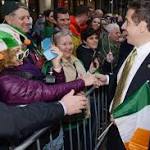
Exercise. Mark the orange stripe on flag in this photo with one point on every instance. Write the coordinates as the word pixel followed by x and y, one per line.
pixel 140 140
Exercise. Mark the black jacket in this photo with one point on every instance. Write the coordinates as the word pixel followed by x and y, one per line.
pixel 19 122
pixel 87 56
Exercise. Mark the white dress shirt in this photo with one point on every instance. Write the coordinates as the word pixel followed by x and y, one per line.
pixel 142 53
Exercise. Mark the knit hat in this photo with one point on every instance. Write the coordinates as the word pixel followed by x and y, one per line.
pixel 11 6
pixel 10 37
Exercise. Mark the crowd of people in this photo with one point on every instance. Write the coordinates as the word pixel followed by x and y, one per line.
pixel 92 49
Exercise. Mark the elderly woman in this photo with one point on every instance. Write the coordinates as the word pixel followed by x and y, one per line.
pixel 72 66
pixel 15 88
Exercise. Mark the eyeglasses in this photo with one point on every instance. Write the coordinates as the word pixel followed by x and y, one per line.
pixel 22 54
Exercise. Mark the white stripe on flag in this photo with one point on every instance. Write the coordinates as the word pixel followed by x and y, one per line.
pixel 128 124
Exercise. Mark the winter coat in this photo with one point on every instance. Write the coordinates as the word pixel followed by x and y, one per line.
pixel 18 90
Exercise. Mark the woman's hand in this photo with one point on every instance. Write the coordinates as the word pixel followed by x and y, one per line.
pixel 94 66
pixel 110 57
pixel 57 61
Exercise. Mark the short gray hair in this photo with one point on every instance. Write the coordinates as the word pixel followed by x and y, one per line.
pixel 111 27
pixel 60 34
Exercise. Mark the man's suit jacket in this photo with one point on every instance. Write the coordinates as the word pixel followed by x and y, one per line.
pixel 19 122
pixel 141 76
pixel 114 141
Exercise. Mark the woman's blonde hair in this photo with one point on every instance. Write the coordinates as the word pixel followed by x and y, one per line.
pixel 8 56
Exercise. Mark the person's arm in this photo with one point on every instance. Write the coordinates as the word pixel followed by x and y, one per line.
pixel 109 80
pixel 17 90
pixel 19 122
pixel 59 76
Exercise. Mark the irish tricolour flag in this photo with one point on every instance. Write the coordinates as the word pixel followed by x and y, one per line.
pixel 132 118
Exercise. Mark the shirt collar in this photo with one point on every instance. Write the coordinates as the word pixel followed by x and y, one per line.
pixel 143 49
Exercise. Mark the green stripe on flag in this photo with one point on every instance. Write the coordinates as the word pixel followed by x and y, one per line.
pixel 134 103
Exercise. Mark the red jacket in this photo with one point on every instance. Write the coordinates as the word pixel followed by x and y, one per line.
pixel 75 28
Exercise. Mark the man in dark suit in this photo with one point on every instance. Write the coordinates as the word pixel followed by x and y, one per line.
pixel 19 122
pixel 137 26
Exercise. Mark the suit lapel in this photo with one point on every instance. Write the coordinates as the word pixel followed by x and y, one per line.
pixel 141 76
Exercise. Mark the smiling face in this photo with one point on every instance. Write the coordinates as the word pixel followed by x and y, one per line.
pixel 20 19
pixel 92 41
pixel 64 43
pixel 12 57
pixel 96 23
pixel 16 54
pixel 63 21
pixel 131 28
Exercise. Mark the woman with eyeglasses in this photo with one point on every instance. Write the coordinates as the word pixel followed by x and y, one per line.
pixel 19 122
pixel 16 88
pixel 72 66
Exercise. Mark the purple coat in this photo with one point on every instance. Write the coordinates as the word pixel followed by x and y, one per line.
pixel 17 90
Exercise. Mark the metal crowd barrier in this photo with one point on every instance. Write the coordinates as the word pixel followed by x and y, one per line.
pixel 88 131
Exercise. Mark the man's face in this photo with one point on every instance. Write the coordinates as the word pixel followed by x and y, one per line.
pixel 132 30
pixel 20 19
pixel 63 21
pixel 114 35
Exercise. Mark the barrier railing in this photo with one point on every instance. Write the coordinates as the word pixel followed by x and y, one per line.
pixel 83 134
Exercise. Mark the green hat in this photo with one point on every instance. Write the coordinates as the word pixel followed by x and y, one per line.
pixel 10 37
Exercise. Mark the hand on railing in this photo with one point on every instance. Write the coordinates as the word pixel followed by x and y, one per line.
pixel 74 104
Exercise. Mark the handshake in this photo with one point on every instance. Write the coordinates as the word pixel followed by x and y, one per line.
pixel 74 104
pixel 94 79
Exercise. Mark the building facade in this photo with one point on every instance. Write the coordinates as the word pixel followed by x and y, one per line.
pixel 108 6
